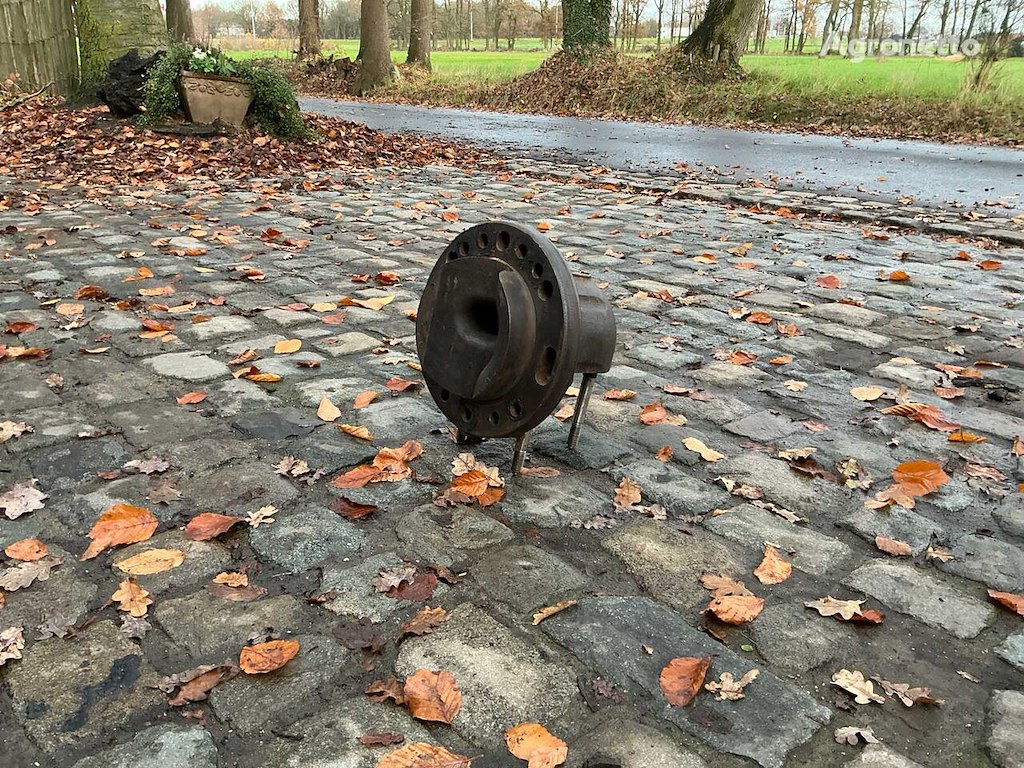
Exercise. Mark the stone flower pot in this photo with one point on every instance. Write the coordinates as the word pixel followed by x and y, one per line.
pixel 212 98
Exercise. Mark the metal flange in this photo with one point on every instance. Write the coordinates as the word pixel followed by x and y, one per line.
pixel 503 326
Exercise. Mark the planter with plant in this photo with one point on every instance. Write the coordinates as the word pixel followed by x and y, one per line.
pixel 209 87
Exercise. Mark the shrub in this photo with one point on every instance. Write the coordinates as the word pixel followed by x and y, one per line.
pixel 273 107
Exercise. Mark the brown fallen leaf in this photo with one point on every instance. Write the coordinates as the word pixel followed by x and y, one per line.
pixel 854 683
pixel 363 399
pixel 209 525
pixel 654 413
pixel 132 598
pixel 121 524
pixel 232 579
pixel 22 574
pixel 774 568
pixel 422 755
pixel 26 550
pixel 893 547
pixel 627 494
pixel 241 594
pixel 266 657
pixel 929 415
pixel 382 690
pixel 376 304
pixel 11 429
pixel 423 623
pixel 194 684
pixel 845 610
pixel 356 431
pixel 908 696
pixel 551 610
pixel 682 678
pixel 850 733
pixel 736 609
pixel 378 739
pixel 352 510
pixel 535 744
pixel 12 641
pixel 664 453
pixel 191 398
pixel 1008 600
pixel 730 689
pixel 432 696
pixel 867 394
pixel 619 394
pixel 151 561
pixel 21 499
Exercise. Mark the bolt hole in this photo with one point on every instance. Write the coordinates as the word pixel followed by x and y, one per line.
pixel 546 290
pixel 467 414
pixel 494 418
pixel 464 248
pixel 503 241
pixel 445 395
pixel 545 366
pixel 483 240
pixel 538 270
pixel 451 256
pixel 515 410
pixel 521 250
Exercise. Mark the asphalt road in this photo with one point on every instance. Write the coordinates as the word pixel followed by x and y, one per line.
pixel 933 174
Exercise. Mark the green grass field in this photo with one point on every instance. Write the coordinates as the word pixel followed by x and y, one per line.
pixel 920 77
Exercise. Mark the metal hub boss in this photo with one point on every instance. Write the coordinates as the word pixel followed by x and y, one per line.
pixel 502 329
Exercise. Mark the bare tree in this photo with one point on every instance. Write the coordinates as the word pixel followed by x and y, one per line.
pixel 309 28
pixel 421 20
pixel 660 5
pixel 375 68
pixel 179 21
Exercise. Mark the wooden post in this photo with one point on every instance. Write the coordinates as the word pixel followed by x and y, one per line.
pixel 37 40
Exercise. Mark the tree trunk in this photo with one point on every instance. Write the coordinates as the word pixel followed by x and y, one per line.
pixel 309 28
pixel 855 14
pixel 420 33
pixel 827 41
pixel 375 67
pixel 37 40
pixel 585 25
pixel 108 29
pixel 179 21
pixel 722 34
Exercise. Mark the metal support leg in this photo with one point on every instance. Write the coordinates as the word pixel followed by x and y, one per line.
pixel 461 438
pixel 582 401
pixel 519 453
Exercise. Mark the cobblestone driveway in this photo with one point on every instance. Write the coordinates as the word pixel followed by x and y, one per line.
pixel 678 271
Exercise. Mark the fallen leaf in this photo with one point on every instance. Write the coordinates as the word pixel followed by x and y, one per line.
pixel 328 411
pixel 893 547
pixel 287 346
pixel 867 394
pixel 354 430
pixel 854 683
pixel 845 610
pixel 382 690
pixel 231 579
pixel 132 598
pixel 654 413
pixel 828 281
pixel 619 394
pixel 850 733
pixel 352 510
pixel 209 525
pixel 423 623
pixel 378 739
pixel 194 684
pixel 627 494
pixel 535 744
pixel 551 610
pixel 920 477
pixel 244 594
pixel 1008 600
pixel 21 499
pixel 682 678
pixel 191 398
pixel 929 415
pixel 376 304
pixel 422 755
pixel 736 609
pixel 12 641
pixel 774 568
pixel 432 696
pixel 121 524
pixel 795 386
pixel 26 550
pixel 23 574
pixel 990 264
pixel 363 399
pixel 730 689
pixel 960 436
pixel 697 446
pixel 261 516
pixel 12 429
pixel 266 657
pixel 151 561
pixel 936 553
pixel 908 696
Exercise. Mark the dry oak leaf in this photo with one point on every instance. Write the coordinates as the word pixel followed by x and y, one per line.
pixel 132 598
pixel 730 689
pixel 432 696
pixel 26 550
pixel 328 411
pixel 356 431
pixel 850 733
pixel 845 610
pixel 929 415
pixel 11 642
pixel 698 446
pixel 287 346
pixel 1008 600
pixel 619 394
pixel 423 623
pixel 21 499
pixel 422 755
pixel 23 574
pixel 854 683
pixel 151 561
pixel 231 579
pixel 266 657
pixel 867 394
pixel 535 744
pixel 12 429
pixel 121 524
pixel 551 610
pixel 682 678
pixel 209 525
pixel 908 696
pixel 194 684
pixel 774 568
pixel 382 690
pixel 893 547
pixel 627 494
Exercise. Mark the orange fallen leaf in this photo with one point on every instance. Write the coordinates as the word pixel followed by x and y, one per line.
pixel 132 598
pixel 356 431
pixel 828 281
pixel 535 744
pixel 682 678
pixel 209 525
pixel 328 411
pixel 781 360
pixel 664 453
pixel 1008 600
pixel 551 610
pixel 363 399
pixel 654 413
pixel 990 264
pixel 960 436
pixel 26 550
pixel 893 547
pixel 422 755
pixel 774 568
pixel 929 415
pixel 266 657
pixel 191 398
pixel 121 524
pixel 433 696
pixel 287 346
pixel 619 394
pixel 736 609
pixel 920 477
pixel 760 318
